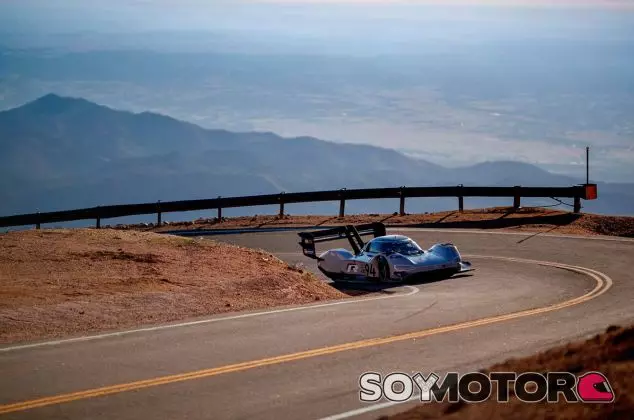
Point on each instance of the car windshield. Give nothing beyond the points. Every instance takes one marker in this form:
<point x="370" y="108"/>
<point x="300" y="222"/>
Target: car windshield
<point x="405" y="247"/>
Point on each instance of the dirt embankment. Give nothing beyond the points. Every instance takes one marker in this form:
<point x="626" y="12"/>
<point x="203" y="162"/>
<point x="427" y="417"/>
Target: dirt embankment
<point x="611" y="353"/>
<point x="528" y="219"/>
<point x="62" y="282"/>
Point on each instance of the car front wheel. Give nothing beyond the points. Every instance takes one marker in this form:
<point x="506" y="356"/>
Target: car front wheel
<point x="384" y="269"/>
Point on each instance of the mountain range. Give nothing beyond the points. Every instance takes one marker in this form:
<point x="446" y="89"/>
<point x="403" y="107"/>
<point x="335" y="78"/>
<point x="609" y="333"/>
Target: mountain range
<point x="60" y="153"/>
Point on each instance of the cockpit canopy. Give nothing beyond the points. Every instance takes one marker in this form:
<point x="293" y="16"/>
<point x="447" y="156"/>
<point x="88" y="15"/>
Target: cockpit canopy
<point x="393" y="244"/>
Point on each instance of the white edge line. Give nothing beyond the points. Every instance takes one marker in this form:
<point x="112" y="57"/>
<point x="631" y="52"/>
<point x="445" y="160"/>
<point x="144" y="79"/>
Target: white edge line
<point x="413" y="290"/>
<point x="363" y="410"/>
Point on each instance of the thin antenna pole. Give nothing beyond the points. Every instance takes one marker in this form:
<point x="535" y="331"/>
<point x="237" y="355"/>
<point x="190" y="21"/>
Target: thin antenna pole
<point x="587" y="165"/>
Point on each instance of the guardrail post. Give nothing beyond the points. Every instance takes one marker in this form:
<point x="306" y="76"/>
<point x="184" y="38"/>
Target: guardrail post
<point x="516" y="197"/>
<point x="577" y="207"/>
<point x="342" y="203"/>
<point x="460" y="199"/>
<point x="402" y="202"/>
<point x="158" y="213"/>
<point x="281" y="204"/>
<point x="219" y="212"/>
<point x="37" y="225"/>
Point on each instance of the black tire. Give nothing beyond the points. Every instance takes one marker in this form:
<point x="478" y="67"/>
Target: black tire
<point x="384" y="269"/>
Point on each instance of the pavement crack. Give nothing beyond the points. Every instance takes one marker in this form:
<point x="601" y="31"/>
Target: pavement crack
<point x="419" y="311"/>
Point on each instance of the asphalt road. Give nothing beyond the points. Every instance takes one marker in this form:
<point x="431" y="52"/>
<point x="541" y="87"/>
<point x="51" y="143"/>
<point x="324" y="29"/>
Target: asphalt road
<point x="305" y="362"/>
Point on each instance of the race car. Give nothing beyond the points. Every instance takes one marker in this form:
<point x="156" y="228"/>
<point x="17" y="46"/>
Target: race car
<point x="385" y="258"/>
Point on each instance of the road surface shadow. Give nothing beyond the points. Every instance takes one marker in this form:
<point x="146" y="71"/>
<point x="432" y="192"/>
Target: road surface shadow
<point x="360" y="288"/>
<point x="502" y="222"/>
<point x="323" y="222"/>
<point x="535" y="234"/>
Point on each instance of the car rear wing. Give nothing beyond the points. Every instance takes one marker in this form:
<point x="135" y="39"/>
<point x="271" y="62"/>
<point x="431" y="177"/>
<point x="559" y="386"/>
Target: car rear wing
<point x="350" y="232"/>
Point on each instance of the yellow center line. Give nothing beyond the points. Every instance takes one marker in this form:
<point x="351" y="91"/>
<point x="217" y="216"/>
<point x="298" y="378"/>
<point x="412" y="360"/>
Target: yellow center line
<point x="603" y="283"/>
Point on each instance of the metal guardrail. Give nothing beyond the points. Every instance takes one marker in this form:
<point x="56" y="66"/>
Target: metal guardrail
<point x="105" y="212"/>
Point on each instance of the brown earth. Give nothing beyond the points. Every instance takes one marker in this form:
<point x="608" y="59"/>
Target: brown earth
<point x="63" y="282"/>
<point x="529" y="219"/>
<point x="611" y="353"/>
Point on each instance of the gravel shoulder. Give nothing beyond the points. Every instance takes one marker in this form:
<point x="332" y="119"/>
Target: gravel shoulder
<point x="527" y="219"/>
<point x="63" y="282"/>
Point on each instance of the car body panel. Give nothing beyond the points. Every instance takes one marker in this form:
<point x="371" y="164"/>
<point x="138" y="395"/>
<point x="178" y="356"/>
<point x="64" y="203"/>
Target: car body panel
<point x="341" y="264"/>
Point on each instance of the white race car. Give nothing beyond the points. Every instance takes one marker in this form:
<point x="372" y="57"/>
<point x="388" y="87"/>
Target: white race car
<point x="386" y="258"/>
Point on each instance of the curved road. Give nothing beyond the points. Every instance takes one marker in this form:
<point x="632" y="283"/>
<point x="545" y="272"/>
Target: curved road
<point x="304" y="362"/>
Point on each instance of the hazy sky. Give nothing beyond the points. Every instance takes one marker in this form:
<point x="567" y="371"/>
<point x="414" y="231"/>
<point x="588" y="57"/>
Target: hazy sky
<point x="377" y="27"/>
<point x="115" y="15"/>
<point x="522" y="3"/>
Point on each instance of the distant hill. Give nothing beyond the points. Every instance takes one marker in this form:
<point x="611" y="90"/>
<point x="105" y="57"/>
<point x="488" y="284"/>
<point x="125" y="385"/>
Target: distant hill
<point x="58" y="153"/>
